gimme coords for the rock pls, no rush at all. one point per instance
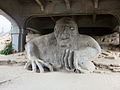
(108, 39)
(115, 69)
(109, 57)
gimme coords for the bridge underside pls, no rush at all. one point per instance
(98, 16)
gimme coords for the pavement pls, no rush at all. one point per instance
(13, 76)
(16, 78)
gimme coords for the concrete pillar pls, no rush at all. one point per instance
(18, 40)
(22, 40)
(15, 33)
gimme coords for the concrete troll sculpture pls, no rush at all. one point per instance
(65, 49)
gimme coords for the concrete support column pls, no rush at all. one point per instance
(18, 40)
(22, 40)
(15, 41)
(15, 33)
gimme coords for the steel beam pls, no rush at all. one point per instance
(67, 3)
(40, 4)
(96, 3)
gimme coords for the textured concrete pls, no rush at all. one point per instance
(16, 78)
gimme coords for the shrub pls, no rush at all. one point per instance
(7, 49)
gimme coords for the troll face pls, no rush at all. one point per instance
(65, 30)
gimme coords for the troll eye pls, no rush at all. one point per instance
(72, 28)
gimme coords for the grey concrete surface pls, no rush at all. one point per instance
(16, 78)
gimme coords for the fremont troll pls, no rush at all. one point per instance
(65, 49)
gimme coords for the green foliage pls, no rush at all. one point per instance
(7, 49)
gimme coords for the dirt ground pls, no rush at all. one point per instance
(14, 77)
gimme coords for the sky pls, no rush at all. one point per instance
(5, 25)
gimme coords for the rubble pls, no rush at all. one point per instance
(109, 42)
(111, 39)
(108, 60)
(108, 54)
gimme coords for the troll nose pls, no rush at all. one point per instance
(65, 32)
(64, 36)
